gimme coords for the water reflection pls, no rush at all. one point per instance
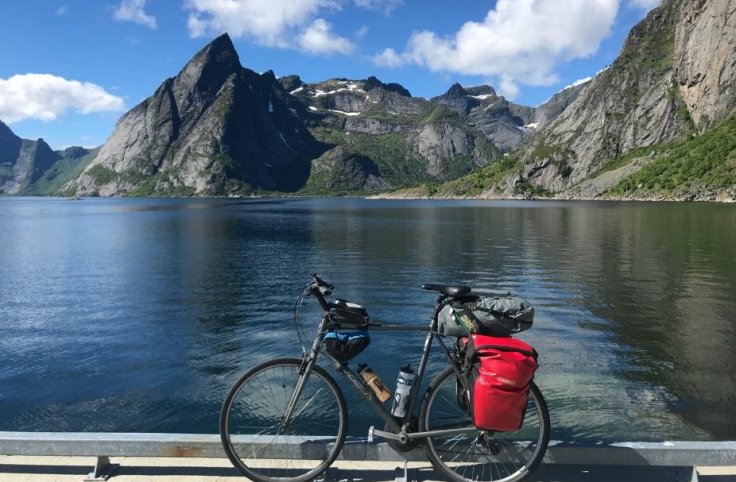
(136, 315)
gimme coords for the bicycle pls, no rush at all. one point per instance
(286, 419)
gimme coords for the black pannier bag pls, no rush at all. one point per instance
(346, 346)
(344, 313)
(494, 316)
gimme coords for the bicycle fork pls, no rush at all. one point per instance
(304, 371)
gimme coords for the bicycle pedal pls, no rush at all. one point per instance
(370, 434)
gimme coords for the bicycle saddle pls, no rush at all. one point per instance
(447, 290)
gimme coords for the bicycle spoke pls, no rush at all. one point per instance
(271, 450)
(484, 456)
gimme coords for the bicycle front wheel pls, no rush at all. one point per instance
(479, 455)
(265, 447)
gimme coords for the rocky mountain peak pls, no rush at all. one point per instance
(481, 90)
(291, 82)
(9, 145)
(74, 152)
(210, 67)
(456, 90)
(372, 83)
(269, 76)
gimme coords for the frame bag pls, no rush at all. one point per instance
(501, 370)
(346, 346)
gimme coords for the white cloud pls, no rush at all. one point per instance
(518, 42)
(134, 11)
(318, 38)
(291, 24)
(387, 6)
(361, 32)
(645, 4)
(508, 88)
(46, 96)
(266, 22)
(62, 10)
(390, 58)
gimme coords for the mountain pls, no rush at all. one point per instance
(659, 123)
(32, 168)
(379, 137)
(504, 123)
(22, 161)
(215, 128)
(218, 128)
(673, 83)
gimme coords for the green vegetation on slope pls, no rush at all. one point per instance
(651, 44)
(63, 171)
(101, 174)
(706, 160)
(389, 151)
(479, 180)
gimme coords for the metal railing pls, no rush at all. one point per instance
(106, 445)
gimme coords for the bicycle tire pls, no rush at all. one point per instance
(481, 455)
(251, 423)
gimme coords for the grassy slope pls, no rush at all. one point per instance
(707, 161)
(60, 173)
(392, 153)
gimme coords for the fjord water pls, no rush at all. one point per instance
(137, 314)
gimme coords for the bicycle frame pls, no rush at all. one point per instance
(401, 432)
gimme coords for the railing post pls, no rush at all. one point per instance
(103, 470)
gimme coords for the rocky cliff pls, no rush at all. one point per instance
(214, 129)
(220, 129)
(676, 74)
(380, 137)
(22, 162)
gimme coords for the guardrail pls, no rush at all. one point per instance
(106, 445)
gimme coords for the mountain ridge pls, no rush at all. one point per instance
(217, 128)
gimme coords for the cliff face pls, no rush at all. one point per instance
(505, 124)
(216, 128)
(676, 74)
(704, 60)
(22, 161)
(220, 129)
(377, 136)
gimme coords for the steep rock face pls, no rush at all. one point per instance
(10, 145)
(216, 128)
(705, 63)
(342, 170)
(503, 123)
(439, 142)
(557, 104)
(22, 161)
(675, 73)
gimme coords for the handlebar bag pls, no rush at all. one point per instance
(501, 370)
(346, 346)
(345, 313)
(495, 316)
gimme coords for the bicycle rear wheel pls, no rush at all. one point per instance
(257, 441)
(479, 455)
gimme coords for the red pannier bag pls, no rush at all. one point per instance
(503, 368)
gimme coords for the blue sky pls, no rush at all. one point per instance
(71, 68)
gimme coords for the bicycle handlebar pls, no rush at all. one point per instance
(320, 288)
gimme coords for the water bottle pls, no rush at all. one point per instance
(374, 382)
(404, 382)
